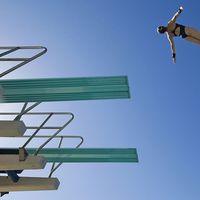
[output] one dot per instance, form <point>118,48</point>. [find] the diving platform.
<point>28,184</point>
<point>12,128</point>
<point>12,162</point>
<point>64,89</point>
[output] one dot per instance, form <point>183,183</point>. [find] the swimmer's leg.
<point>193,40</point>
<point>191,32</point>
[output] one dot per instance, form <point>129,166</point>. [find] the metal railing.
<point>25,111</point>
<point>22,60</point>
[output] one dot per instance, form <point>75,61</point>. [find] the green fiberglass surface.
<point>87,155</point>
<point>63,89</point>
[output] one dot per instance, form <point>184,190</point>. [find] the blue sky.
<point>115,37</point>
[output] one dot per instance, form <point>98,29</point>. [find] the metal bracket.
<point>13,176</point>
<point>3,193</point>
<point>22,154</point>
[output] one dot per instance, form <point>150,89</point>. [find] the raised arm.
<point>172,45</point>
<point>177,14</point>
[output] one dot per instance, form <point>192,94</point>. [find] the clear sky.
<point>118,37</point>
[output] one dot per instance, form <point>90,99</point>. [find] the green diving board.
<point>63,89</point>
<point>87,155</point>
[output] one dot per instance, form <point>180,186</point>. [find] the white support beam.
<point>12,128</point>
<point>28,184</point>
<point>11,162</point>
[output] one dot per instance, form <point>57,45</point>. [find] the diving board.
<point>64,89</point>
<point>11,162</point>
<point>1,91</point>
<point>28,184</point>
<point>12,128</point>
<point>68,155</point>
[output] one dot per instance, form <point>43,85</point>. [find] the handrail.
<point>53,168</point>
<point>55,134</point>
<point>24,111</point>
<point>24,60</point>
<point>37,130</point>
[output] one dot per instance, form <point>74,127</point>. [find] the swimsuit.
<point>182,31</point>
